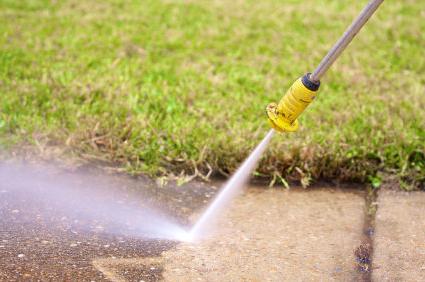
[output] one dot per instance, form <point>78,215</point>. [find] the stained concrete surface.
<point>267,234</point>
<point>399,244</point>
<point>48,243</point>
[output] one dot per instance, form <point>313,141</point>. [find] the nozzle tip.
<point>278,122</point>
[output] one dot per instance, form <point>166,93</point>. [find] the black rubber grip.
<point>311,85</point>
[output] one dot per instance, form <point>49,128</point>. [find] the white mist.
<point>89,203</point>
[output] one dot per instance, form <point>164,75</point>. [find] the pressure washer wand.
<point>345,39</point>
<point>283,116</point>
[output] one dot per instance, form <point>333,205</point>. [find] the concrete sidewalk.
<point>265,235</point>
<point>399,244</point>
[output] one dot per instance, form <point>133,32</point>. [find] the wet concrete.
<point>399,252</point>
<point>267,234</point>
<point>39,242</point>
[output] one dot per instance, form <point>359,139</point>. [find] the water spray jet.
<point>230,189</point>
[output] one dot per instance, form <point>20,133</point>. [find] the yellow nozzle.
<point>283,116</point>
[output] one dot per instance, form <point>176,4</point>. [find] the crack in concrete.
<point>364,252</point>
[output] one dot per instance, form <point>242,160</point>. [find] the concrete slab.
<point>399,251</point>
<point>277,235</point>
<point>63,225</point>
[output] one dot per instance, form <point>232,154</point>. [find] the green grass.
<point>172,86</point>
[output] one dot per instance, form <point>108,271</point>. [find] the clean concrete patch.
<point>399,252</point>
<point>277,235</point>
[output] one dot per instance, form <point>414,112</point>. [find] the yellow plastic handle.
<point>283,116</point>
